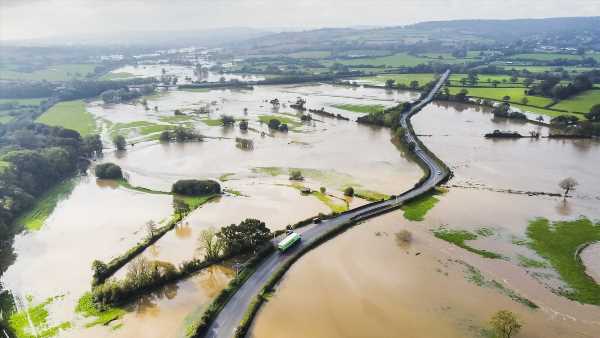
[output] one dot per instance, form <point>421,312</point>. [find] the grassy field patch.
<point>35,218</point>
<point>416,209</point>
<point>371,196</point>
<point>558,242</point>
<point>85,307</point>
<point>515,95</point>
<point>544,56</point>
<point>38,314</point>
<point>71,115</point>
<point>61,72</point>
<point>459,237</point>
<point>404,79</point>
<point>314,54</point>
<point>581,103</point>
<point>292,122</point>
<point>475,276</point>
<point>360,108</point>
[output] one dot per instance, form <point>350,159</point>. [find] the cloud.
<point>40,18</point>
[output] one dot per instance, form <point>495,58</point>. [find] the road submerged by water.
<point>229,318</point>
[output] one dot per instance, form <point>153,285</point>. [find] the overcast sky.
<point>24,19</point>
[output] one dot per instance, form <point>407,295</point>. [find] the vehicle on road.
<point>439,172</point>
<point>288,241</point>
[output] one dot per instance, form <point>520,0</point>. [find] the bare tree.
<point>150,228</point>
<point>568,184</point>
<point>210,243</point>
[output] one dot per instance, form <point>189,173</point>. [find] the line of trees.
<point>33,158</point>
<point>386,118</point>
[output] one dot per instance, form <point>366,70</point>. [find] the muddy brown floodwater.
<point>101,220</point>
<point>364,283</point>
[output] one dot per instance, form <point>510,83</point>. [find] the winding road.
<point>230,316</point>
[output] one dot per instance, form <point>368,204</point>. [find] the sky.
<point>31,19</point>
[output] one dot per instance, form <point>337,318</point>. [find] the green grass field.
<point>544,56</point>
<point>404,79</point>
<point>558,242</point>
<point>515,94</point>
<point>360,108</point>
<point>580,103</point>
<point>396,60</point>
<point>416,209</point>
<point>71,115</point>
<point>311,54</point>
<point>543,69</point>
<point>35,218</point>
<point>62,72</point>
<point>459,237</point>
<point>116,76</point>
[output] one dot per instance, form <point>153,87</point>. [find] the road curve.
<point>230,316</point>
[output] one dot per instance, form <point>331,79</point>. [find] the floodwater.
<point>185,74</point>
<point>368,285</point>
<point>100,220</point>
<point>590,257</point>
<point>365,284</point>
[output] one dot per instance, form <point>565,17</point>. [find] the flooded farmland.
<point>102,219</point>
<point>371,285</point>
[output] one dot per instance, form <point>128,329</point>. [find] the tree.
<point>349,191</point>
<point>244,125</point>
<point>524,100</point>
<point>150,228</point>
<point>506,98</point>
<point>414,84</point>
<point>210,244</point>
<point>108,171</point>
<point>119,142</point>
<point>505,324</point>
<point>296,175</point>
<point>389,83</point>
<point>594,114</point>
<point>322,190</point>
<point>227,120</point>
<point>91,145</point>
<point>568,184</point>
<point>528,81</point>
<point>180,207</point>
<point>248,235</point>
<point>196,187</point>
<point>274,124</point>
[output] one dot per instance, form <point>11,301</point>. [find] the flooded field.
<point>370,285</point>
<point>101,219</point>
<point>184,74</point>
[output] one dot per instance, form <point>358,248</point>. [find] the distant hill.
<point>557,31</point>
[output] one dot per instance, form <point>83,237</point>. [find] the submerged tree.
<point>505,324</point>
<point>568,184</point>
<point>210,243</point>
<point>119,142</point>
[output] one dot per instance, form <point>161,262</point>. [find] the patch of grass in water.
<point>213,122</point>
<point>558,243</point>
<point>235,192</point>
<point>85,307</point>
<point>416,209</point>
<point>371,196</point>
<point>35,218</point>
<point>194,202</point>
<point>323,197</point>
<point>125,184</point>
<point>292,122</point>
<point>459,237</point>
<point>38,314</point>
<point>273,171</point>
<point>475,276</point>
<point>360,108</point>
<point>527,262</point>
<point>226,177</point>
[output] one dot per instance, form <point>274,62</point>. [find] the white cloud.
<point>41,18</point>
